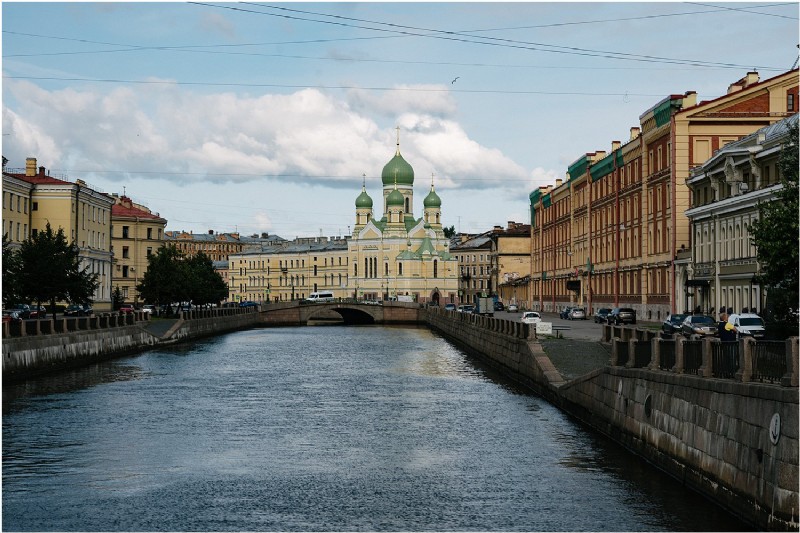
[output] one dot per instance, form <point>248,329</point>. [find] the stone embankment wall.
<point>737,443</point>
<point>204,323</point>
<point>25,357</point>
<point>72,342</point>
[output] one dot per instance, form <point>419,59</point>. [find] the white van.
<point>324,296</point>
<point>748,324</point>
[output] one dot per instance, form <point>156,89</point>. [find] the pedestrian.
<point>725,330</point>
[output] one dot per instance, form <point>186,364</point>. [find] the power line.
<point>443,89</point>
<point>462,37</point>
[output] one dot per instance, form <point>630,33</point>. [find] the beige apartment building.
<point>609,234</point>
<point>474,256</point>
<point>137,234</point>
<point>725,193</point>
<point>32,199</point>
<point>511,263</point>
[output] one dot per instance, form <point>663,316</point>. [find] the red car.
<point>126,308</point>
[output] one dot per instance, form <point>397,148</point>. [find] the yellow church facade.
<point>389,256</point>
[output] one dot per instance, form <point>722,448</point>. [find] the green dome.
<point>395,198</point>
<point>432,200</point>
<point>405,174</point>
<point>364,200</point>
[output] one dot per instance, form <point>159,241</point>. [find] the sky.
<point>268,117</point>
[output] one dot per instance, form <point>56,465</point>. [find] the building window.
<point>125,271</point>
<point>790,102</point>
<point>149,251</point>
<point>124,232</point>
<point>435,268</point>
<point>149,233</point>
<point>125,252</point>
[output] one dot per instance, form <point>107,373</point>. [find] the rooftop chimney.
<point>558,182</point>
<point>635,131</point>
<point>615,145</point>
<point>30,167</point>
<point>211,232</point>
<point>41,172</point>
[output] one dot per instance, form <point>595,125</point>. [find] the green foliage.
<point>10,284</point>
<point>47,269</point>
<point>775,236</point>
<point>116,298</point>
<point>205,285</point>
<point>171,277</point>
<point>449,232</point>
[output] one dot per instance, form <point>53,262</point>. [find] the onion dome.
<point>397,171</point>
<point>432,200</point>
<point>395,198</point>
<point>363,201</point>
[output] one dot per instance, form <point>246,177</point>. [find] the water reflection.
<point>318,429</point>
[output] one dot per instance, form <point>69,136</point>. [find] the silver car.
<point>576,313</point>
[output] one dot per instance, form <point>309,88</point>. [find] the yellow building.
<point>394,256</point>
<point>289,271</point>
<point>32,199</point>
<point>511,263</point>
<point>398,255</point>
<point>137,234</point>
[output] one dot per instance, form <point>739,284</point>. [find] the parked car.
<point>23,310</point>
<point>78,310</point>
<point>449,307</point>
<point>577,313</point>
<point>37,311</point>
<point>466,308</point>
<point>601,315</point>
<point>10,315</point>
<point>149,309</point>
<point>672,324</point>
<point>748,325</point>
<point>699,325</point>
<point>248,304</point>
<point>565,313</point>
<point>512,308</point>
<point>498,306</point>
<point>531,317</point>
<point>622,315</point>
<point>126,308</point>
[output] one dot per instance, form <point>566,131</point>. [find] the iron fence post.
<point>789,379</point>
<point>679,342</point>
<point>745,372</point>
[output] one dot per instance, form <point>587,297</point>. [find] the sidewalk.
<point>574,357</point>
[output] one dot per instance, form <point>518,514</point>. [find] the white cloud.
<point>168,132</point>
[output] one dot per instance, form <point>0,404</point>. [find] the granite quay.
<point>735,440</point>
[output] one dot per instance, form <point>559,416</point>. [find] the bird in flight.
<point>454,80</point>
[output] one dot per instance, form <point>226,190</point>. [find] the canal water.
<point>318,429</point>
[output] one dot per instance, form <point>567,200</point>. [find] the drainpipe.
<point>616,231</point>
<point>673,179</point>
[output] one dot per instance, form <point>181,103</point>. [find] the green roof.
<point>432,200</point>
<point>606,166</point>
<point>364,200</point>
<point>395,198</point>
<point>578,168</point>
<point>399,168</point>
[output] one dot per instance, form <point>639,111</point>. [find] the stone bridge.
<point>352,312</point>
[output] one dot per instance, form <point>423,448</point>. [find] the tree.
<point>775,236</point>
<point>116,298</point>
<point>449,232</point>
<point>48,269</point>
<point>164,282</point>
<point>205,285</point>
<point>10,284</point>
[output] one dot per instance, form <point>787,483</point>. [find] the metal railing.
<point>667,354</point>
<point>725,359</point>
<point>641,354</point>
<point>692,356</point>
<point>769,361</point>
